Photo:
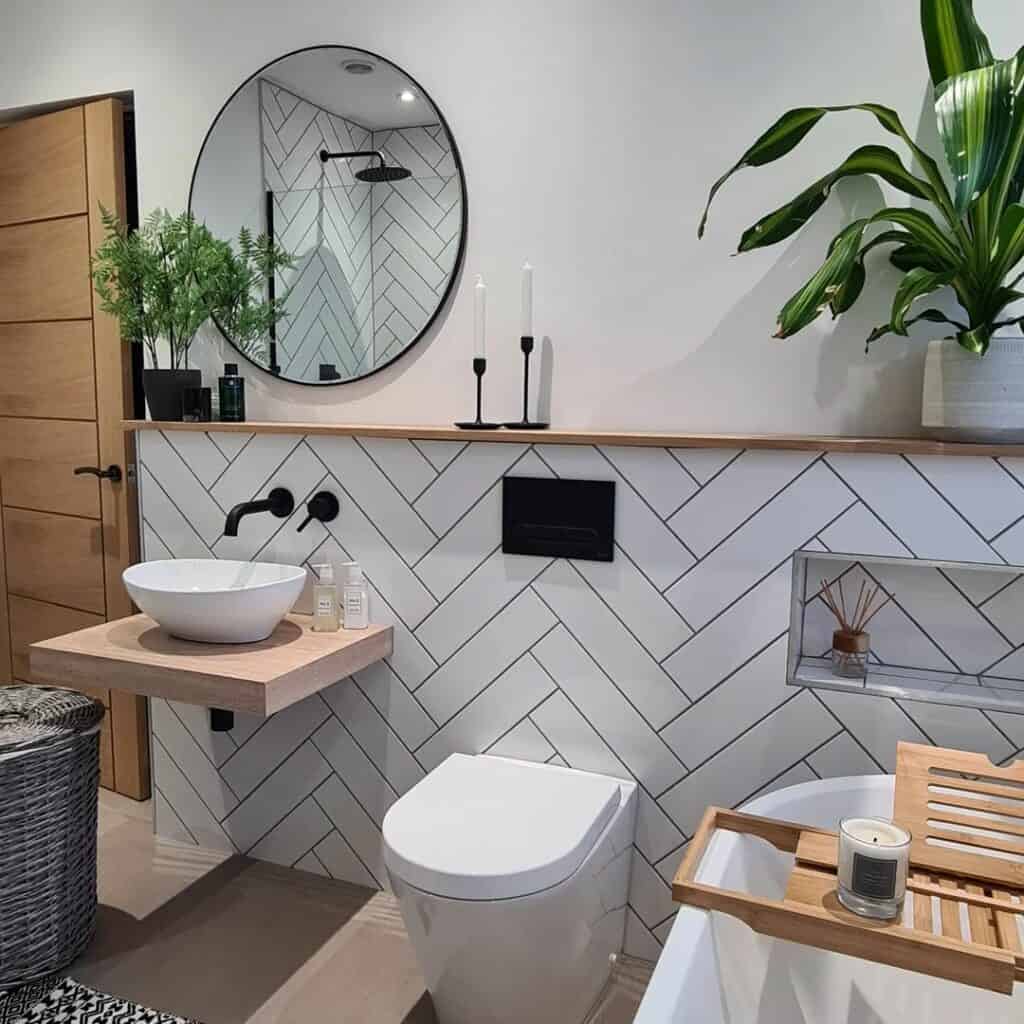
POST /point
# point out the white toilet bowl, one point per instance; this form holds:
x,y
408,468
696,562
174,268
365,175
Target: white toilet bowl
x,y
512,879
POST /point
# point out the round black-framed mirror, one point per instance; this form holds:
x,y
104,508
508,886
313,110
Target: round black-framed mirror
x,y
344,161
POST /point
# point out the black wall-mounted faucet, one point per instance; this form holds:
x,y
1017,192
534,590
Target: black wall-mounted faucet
x,y
279,503
323,507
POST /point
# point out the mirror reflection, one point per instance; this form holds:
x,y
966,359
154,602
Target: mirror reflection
x,y
346,163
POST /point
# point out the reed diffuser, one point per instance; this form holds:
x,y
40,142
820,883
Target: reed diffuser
x,y
851,644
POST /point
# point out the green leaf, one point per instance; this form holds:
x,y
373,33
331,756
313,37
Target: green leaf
x,y
788,219
819,291
791,129
952,39
1010,239
975,113
849,291
935,316
916,284
976,339
786,134
909,256
925,232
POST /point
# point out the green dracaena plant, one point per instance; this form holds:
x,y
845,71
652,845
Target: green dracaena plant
x,y
970,241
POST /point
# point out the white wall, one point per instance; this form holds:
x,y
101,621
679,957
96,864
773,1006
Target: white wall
x,y
590,131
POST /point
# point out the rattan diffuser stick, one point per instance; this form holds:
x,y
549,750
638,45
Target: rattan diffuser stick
x,y
866,608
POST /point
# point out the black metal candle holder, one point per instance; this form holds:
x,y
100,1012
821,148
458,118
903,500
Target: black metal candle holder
x,y
479,368
526,344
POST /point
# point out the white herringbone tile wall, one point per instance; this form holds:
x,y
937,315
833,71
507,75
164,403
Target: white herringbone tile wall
x,y
666,665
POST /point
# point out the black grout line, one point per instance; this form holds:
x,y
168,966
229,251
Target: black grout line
x,y
977,607
188,522
756,512
611,750
401,682
714,476
957,511
636,491
721,682
686,471
508,604
341,835
750,589
184,825
401,497
734,739
228,462
476,696
584,582
602,671
206,757
198,795
256,732
391,789
206,489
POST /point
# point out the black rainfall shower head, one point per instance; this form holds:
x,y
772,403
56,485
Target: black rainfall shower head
x,y
373,175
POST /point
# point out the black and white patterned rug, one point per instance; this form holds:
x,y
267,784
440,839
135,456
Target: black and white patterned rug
x,y
63,1001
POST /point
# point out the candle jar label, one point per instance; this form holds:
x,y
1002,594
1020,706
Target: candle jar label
x,y
874,879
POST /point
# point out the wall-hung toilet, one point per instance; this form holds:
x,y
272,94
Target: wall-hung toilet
x,y
512,881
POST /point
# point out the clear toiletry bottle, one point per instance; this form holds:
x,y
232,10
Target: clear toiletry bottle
x,y
355,598
325,600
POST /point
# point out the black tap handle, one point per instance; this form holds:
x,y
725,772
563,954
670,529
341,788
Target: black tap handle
x,y
323,507
111,473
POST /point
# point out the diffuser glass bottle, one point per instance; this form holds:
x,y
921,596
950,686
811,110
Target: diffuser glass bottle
x,y
851,642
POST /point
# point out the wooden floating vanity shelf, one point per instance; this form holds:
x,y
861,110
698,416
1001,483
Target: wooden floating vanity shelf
x,y
134,654
776,442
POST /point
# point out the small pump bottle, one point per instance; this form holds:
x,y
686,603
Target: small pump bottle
x,y
355,597
325,600
232,395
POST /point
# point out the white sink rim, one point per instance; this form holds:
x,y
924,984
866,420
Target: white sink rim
x,y
138,575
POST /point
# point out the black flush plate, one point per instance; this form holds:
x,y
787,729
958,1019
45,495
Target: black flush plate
x,y
560,518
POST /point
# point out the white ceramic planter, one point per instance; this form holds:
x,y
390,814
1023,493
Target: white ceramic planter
x,y
974,398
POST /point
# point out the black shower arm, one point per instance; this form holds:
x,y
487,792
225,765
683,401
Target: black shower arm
x,y
325,155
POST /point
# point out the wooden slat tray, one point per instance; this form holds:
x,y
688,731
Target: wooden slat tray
x,y
965,900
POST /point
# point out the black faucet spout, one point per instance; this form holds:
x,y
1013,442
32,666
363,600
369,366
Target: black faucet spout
x,y
278,503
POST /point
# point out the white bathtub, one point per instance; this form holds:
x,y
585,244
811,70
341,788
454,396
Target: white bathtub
x,y
715,970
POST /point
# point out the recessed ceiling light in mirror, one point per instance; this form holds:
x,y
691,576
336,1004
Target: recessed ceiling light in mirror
x,y
358,67
407,96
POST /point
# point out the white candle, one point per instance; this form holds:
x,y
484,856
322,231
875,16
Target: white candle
x,y
873,858
480,318
526,319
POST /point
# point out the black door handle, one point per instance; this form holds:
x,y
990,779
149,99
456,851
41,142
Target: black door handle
x,y
111,473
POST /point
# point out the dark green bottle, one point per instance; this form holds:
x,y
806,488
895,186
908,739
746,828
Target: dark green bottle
x,y
232,395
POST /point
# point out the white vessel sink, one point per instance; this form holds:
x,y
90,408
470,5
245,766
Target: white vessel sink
x,y
214,600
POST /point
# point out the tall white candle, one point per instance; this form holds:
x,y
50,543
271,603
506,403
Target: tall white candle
x,y
480,318
874,855
526,308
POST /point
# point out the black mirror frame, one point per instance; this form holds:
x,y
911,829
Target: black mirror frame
x,y
463,227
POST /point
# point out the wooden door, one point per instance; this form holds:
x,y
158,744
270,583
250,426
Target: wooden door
x,y
64,389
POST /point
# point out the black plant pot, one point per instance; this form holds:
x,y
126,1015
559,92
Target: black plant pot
x,y
165,389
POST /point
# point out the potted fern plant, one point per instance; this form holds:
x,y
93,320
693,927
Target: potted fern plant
x,y
967,240
167,279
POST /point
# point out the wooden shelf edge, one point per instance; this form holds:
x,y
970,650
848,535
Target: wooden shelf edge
x,y
641,439
133,655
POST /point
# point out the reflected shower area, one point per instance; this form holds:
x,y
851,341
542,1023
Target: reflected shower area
x,y
341,159
372,220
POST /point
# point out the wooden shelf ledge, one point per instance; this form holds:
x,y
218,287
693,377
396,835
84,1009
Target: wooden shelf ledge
x,y
641,439
136,655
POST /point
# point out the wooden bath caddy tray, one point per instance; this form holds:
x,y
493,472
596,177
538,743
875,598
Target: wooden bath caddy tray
x,y
965,888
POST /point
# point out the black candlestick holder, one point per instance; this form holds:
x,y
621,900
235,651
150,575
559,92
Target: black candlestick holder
x,y
479,368
526,344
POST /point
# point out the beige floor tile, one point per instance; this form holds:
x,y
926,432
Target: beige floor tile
x,y
229,940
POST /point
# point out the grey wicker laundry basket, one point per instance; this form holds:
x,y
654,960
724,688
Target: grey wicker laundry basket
x,y
49,776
